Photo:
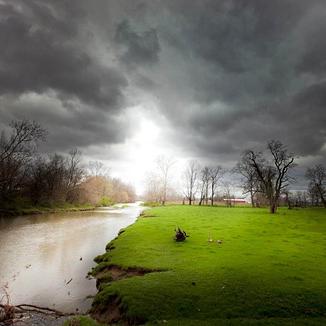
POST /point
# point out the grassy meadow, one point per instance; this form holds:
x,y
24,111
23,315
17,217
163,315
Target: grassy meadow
x,y
266,270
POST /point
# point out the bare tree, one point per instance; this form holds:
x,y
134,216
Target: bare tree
x,y
317,182
204,185
215,174
97,169
153,188
74,173
250,182
191,179
273,176
164,165
25,135
228,196
52,179
16,153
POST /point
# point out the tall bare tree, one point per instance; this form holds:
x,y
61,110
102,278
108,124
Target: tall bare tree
x,y
273,174
164,165
191,180
317,182
215,174
152,188
228,196
74,173
250,182
204,185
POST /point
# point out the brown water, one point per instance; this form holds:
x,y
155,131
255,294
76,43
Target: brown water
x,y
40,254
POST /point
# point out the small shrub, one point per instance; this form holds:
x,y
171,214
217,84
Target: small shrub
x,y
105,201
151,204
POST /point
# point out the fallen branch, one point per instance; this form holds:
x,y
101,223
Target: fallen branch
x,y
45,310
11,310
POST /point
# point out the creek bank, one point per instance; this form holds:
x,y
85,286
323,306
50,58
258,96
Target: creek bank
x,y
43,210
110,309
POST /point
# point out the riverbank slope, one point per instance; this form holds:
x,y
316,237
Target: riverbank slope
x,y
239,266
38,209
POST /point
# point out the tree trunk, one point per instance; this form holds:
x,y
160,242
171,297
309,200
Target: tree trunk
x,y
273,207
323,200
252,199
206,194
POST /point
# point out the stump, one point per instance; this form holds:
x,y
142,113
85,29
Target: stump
x,y
180,235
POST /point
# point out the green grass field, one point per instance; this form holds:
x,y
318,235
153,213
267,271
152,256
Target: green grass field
x,y
269,269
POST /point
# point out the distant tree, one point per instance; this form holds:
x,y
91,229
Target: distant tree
x,y
313,195
249,179
152,188
164,165
36,184
228,196
74,174
300,199
272,175
215,174
55,179
103,190
158,181
191,181
317,182
97,168
16,153
28,177
204,185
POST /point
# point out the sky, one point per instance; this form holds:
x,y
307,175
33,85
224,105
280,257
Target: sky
x,y
127,81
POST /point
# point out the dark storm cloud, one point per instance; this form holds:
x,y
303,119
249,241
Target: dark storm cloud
x,y
70,124
227,75
253,72
49,73
140,48
39,52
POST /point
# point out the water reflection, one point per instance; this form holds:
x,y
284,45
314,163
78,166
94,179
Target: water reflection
x,y
39,254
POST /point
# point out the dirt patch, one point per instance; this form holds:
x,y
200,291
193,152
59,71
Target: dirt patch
x,y
119,273
110,314
113,311
114,273
145,215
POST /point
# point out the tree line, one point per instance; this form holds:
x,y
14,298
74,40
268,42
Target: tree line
x,y
265,178
32,178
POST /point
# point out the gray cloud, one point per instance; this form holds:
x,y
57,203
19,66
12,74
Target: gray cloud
x,y
139,48
49,73
226,75
39,52
245,57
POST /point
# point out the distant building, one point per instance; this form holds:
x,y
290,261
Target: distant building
x,y
235,200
